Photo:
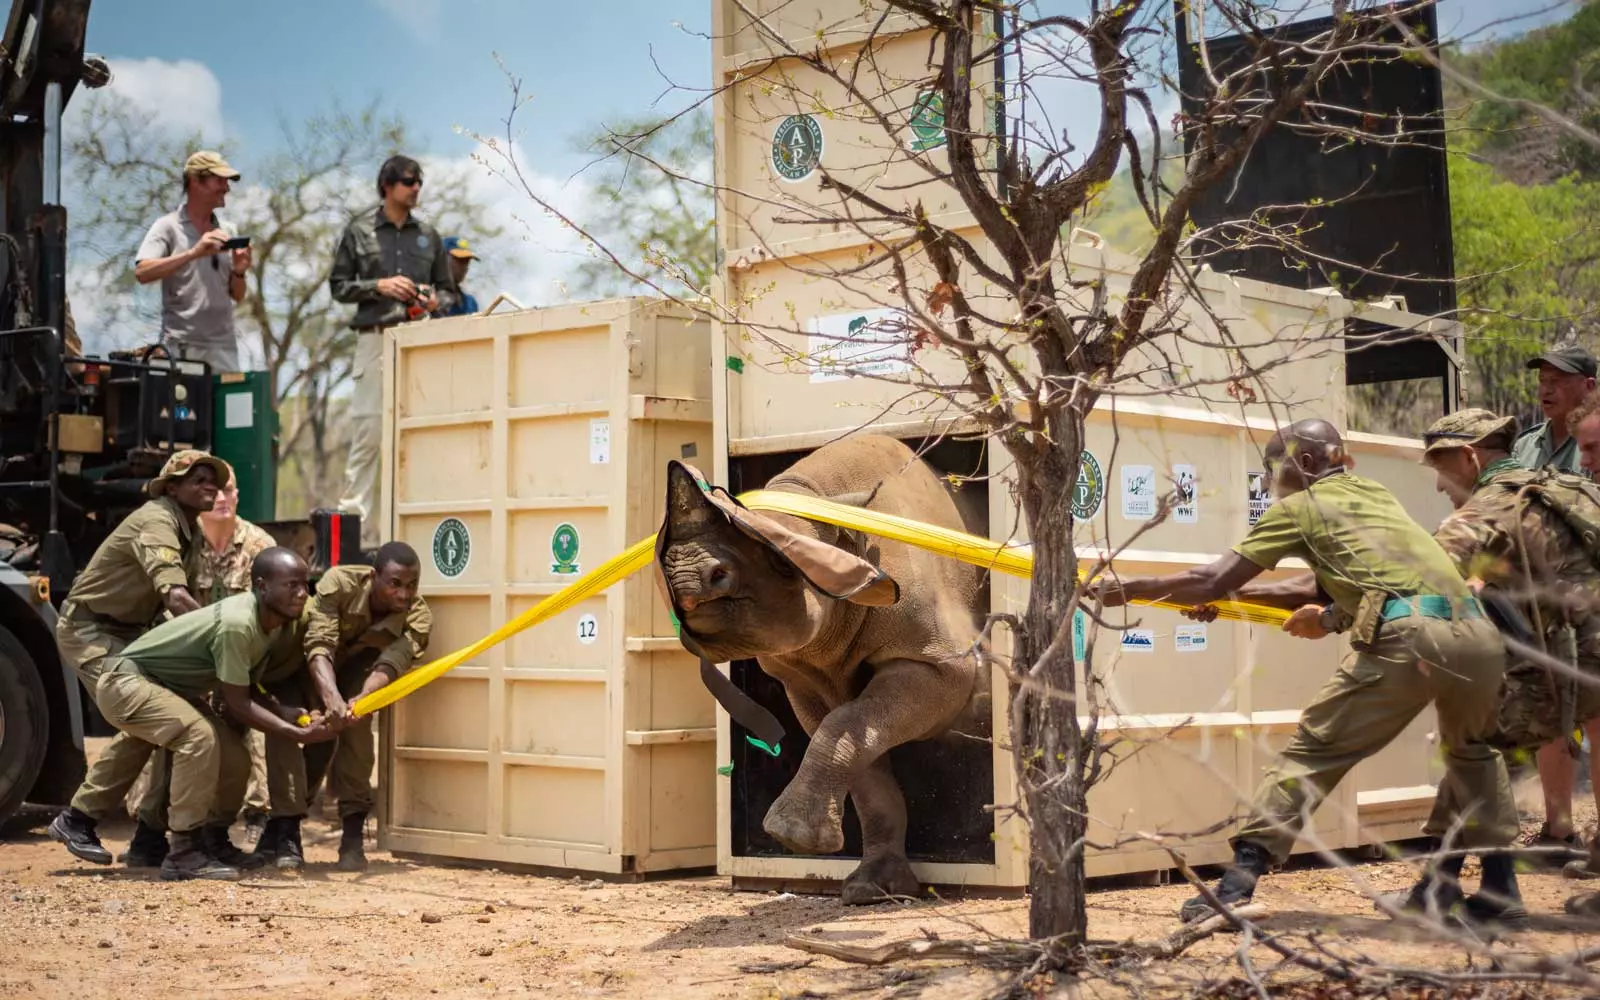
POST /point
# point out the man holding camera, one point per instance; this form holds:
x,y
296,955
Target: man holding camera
x,y
201,266
393,266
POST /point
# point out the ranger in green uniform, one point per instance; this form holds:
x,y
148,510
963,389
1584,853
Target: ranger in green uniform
x,y
158,691
139,570
1419,637
365,627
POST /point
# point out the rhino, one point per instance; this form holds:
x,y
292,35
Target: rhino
x,y
863,671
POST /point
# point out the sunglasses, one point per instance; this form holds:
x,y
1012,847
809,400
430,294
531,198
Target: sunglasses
x,y
411,181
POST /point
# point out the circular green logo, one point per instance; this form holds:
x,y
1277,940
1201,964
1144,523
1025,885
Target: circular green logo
x,y
452,547
1091,488
564,547
927,121
796,147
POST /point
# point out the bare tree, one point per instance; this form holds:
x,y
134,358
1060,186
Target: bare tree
x,y
962,227
294,204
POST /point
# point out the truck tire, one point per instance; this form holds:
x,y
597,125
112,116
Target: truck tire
x,y
24,724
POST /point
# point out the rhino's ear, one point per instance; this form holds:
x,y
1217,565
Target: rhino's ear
x,y
688,510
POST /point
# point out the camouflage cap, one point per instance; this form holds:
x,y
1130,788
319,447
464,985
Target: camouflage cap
x,y
179,465
1463,428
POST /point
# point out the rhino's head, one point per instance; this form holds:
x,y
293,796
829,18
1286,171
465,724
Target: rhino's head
x,y
745,586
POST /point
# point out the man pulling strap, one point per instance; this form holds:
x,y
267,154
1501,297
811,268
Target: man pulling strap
x,y
1419,636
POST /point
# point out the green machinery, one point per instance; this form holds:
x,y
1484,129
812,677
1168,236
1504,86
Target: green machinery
x,y
245,434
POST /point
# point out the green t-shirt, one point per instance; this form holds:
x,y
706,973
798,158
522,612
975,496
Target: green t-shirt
x,y
222,643
1356,537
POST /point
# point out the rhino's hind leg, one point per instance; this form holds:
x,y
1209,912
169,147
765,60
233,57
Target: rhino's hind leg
x,y
905,700
884,871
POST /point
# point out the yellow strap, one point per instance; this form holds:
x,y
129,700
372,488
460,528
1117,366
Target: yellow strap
x,y
1012,559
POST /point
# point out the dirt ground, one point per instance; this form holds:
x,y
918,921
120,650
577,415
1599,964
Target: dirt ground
x,y
403,930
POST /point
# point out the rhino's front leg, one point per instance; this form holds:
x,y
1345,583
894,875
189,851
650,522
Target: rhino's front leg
x,y
905,700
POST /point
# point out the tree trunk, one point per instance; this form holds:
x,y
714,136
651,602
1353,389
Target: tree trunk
x,y
1045,711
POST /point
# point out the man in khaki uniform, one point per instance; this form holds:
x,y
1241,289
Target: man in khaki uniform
x,y
1584,423
1506,533
228,548
137,572
158,691
365,627
1419,637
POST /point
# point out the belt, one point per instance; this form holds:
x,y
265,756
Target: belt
x,y
1432,606
72,611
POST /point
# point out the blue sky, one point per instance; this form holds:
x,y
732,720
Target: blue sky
x,y
234,71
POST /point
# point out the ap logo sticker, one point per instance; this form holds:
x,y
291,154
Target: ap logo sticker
x,y
564,547
452,547
796,147
1091,488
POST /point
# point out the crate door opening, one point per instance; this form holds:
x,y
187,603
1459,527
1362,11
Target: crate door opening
x,y
948,781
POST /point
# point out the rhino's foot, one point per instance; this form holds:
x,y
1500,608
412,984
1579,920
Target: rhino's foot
x,y
878,879
805,825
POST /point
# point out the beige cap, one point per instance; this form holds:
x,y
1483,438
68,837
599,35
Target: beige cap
x,y
208,162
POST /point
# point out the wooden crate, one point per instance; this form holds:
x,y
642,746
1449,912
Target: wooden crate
x,y
523,449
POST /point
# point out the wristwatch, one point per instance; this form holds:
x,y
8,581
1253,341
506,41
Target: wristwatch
x,y
1333,619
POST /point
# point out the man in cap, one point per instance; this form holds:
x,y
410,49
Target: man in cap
x,y
365,627
461,258
140,570
228,548
1419,637
160,691
1584,423
393,267
1566,375
184,250
1509,531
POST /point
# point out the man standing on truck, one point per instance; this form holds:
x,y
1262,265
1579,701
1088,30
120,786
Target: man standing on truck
x,y
365,627
1566,375
1418,636
229,546
393,266
140,570
159,690
461,258
202,277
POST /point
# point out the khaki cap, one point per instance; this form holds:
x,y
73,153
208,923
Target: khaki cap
x,y
208,162
1464,428
179,465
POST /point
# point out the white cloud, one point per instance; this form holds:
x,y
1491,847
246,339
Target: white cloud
x,y
182,97
421,17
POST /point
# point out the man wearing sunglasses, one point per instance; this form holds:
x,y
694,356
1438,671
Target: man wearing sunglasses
x,y
393,267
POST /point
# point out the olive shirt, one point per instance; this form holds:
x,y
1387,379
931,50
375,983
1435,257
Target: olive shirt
x,y
1536,448
339,622
1356,537
191,654
148,553
372,247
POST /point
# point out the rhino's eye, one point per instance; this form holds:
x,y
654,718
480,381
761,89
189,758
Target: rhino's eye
x,y
781,566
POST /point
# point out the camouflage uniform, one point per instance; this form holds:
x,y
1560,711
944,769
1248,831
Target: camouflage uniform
x,y
1513,542
338,624
217,575
116,598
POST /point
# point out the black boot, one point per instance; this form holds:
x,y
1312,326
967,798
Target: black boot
x,y
1498,900
291,856
1439,890
147,849
189,859
214,836
76,830
1237,885
351,857
270,842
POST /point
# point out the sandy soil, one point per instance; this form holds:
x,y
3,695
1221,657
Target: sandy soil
x,y
401,930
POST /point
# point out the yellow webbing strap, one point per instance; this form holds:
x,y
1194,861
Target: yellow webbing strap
x,y
1012,559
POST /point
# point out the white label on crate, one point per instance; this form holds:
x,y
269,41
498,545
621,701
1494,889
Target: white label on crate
x,y
238,410
1138,492
599,442
869,342
1258,496
1189,639
588,629
1187,509
1139,640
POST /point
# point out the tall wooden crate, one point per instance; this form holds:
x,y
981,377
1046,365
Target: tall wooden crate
x,y
522,450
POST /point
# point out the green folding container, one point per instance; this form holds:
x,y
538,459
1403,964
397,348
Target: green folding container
x,y
244,432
